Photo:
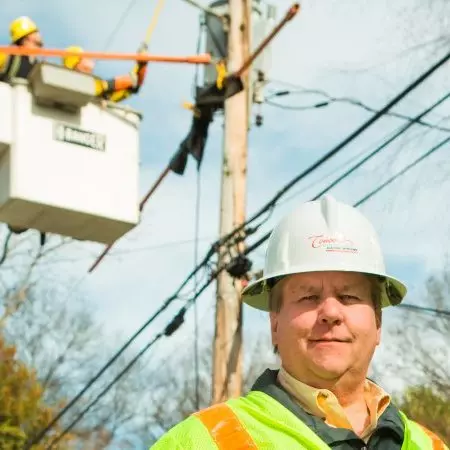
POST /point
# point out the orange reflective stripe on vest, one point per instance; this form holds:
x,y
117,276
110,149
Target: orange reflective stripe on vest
x,y
437,443
225,428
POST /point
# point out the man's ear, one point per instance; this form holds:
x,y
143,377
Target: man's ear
x,y
274,327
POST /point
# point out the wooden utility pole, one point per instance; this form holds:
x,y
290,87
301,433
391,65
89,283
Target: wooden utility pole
x,y
227,367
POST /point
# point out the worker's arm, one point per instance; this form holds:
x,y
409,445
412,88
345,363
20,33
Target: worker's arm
x,y
130,82
118,96
116,89
140,70
122,82
121,87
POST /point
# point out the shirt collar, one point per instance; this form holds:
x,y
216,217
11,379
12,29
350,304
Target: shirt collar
x,y
324,404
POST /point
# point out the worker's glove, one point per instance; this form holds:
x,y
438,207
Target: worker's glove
x,y
143,48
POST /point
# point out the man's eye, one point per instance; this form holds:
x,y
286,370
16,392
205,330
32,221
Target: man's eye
x,y
309,297
349,297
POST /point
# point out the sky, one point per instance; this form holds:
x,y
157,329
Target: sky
x,y
368,51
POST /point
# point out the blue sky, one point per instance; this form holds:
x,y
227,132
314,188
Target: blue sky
x,y
363,50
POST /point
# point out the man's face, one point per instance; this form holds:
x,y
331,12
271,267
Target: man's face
x,y
326,327
33,40
86,65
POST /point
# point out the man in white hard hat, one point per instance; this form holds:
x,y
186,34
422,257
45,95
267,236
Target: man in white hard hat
x,y
324,286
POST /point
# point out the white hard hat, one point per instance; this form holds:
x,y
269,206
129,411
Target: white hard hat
x,y
323,235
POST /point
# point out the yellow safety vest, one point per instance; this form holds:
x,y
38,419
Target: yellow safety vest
x,y
258,421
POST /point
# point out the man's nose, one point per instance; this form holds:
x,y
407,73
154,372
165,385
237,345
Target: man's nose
x,y
330,311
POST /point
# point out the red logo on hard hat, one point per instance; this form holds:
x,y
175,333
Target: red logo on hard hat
x,y
333,244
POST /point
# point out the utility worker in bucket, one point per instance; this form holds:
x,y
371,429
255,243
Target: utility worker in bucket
x,y
115,89
24,33
324,287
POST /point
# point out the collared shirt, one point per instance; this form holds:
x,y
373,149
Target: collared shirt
x,y
323,403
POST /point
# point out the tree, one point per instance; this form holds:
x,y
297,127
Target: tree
x,y
429,408
22,411
56,333
20,258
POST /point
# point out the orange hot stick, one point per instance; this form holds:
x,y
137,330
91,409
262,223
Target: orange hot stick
x,y
204,58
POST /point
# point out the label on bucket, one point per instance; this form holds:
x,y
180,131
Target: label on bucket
x,y
77,136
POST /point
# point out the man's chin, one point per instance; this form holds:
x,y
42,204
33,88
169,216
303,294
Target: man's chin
x,y
330,372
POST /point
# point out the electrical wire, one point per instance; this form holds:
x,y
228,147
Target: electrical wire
x,y
297,108
348,100
398,133
264,238
268,207
381,147
178,319
123,17
420,309
196,324
342,166
119,24
197,237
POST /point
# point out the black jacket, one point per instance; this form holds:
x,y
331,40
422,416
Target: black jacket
x,y
17,66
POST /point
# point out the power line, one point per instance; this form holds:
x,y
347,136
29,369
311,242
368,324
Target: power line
x,y
128,251
381,147
351,101
342,166
119,24
268,207
178,319
196,239
336,149
196,324
439,312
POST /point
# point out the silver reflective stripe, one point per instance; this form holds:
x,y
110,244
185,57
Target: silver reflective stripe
x,y
15,66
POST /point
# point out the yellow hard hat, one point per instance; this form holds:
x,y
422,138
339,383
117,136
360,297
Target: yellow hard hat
x,y
71,61
21,27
